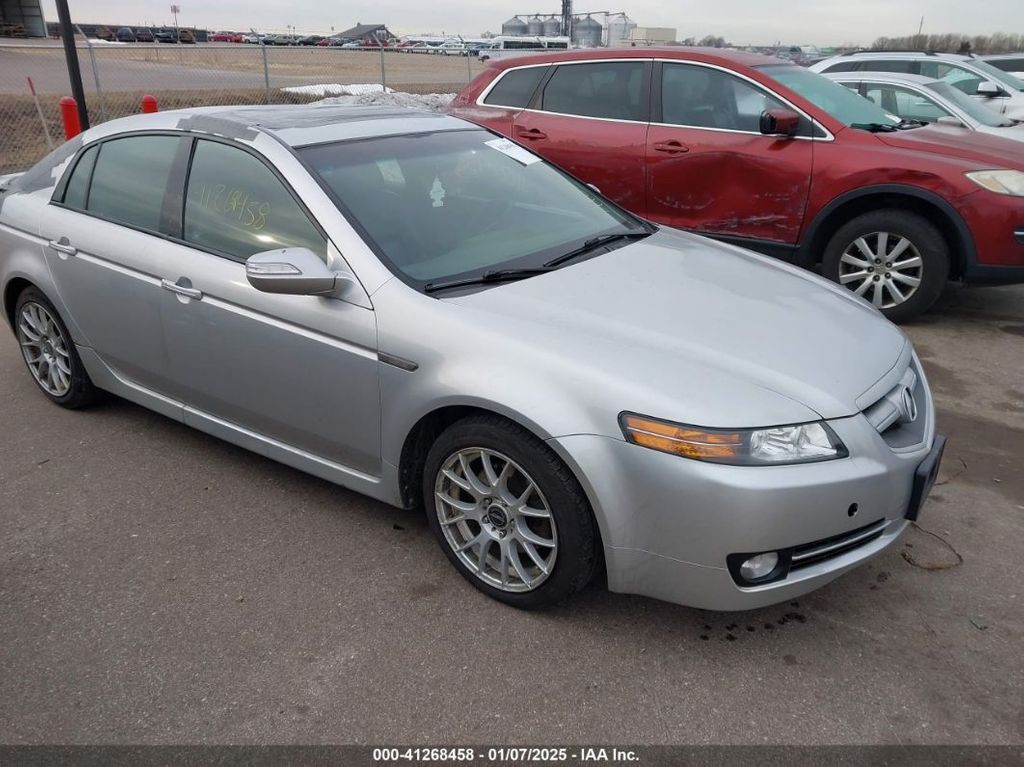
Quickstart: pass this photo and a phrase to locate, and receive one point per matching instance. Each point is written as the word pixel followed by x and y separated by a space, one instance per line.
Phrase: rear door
pixel 591 119
pixel 108 245
pixel 709 168
pixel 510 93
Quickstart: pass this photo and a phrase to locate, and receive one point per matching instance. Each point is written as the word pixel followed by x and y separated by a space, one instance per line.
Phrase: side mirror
pixel 293 271
pixel 779 122
pixel 989 89
pixel 952 122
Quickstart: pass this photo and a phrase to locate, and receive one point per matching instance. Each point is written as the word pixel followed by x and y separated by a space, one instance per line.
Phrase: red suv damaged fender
pixel 770 156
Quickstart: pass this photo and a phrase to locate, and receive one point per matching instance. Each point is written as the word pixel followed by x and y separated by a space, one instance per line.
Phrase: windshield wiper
pixel 908 124
pixel 875 127
pixel 593 243
pixel 495 275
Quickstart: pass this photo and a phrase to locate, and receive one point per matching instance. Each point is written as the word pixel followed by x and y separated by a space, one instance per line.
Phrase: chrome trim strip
pixel 829 136
pixel 813 553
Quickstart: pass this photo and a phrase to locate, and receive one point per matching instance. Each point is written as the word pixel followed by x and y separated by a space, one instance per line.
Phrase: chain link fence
pixel 117 76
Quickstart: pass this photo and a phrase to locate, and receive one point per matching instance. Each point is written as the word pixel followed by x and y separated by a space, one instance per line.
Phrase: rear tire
pixel 895 259
pixel 527 548
pixel 49 352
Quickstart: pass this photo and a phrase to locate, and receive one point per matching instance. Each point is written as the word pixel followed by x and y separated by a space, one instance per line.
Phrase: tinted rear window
pixel 130 179
pixel 516 87
pixel 613 90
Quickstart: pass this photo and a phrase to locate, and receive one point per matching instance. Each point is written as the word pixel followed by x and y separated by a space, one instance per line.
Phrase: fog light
pixel 758 566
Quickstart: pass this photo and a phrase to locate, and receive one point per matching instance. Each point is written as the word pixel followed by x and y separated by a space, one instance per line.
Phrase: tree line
pixel 1000 42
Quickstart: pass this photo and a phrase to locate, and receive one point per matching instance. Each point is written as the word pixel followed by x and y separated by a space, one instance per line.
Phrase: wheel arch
pixel 14 288
pixel 887 196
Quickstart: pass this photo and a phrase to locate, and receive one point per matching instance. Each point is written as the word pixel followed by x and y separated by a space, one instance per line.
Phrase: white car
pixel 996 89
pixel 913 97
pixel 451 48
pixel 1008 62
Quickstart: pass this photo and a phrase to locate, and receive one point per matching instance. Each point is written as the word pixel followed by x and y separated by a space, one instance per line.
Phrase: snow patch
pixel 433 102
pixel 336 89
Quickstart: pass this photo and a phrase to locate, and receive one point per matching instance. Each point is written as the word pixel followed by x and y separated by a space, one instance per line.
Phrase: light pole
pixel 176 10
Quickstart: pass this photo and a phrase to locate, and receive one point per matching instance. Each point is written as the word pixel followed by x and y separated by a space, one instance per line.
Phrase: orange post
pixel 69 114
pixel 149 104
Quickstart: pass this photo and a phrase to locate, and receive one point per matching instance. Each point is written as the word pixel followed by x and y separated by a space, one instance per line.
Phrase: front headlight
pixel 1009 182
pixel 802 443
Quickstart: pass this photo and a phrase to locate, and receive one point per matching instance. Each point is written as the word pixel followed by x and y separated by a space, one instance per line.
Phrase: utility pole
pixel 176 10
pixel 67 34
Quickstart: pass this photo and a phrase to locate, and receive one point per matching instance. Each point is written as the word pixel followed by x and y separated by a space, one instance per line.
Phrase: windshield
pixel 456 204
pixel 1010 81
pixel 972 107
pixel 839 101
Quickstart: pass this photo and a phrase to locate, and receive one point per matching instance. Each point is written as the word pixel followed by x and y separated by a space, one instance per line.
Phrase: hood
pixel 984 149
pixel 709 334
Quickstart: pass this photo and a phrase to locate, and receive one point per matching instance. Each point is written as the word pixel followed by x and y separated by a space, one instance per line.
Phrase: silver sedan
pixel 415 308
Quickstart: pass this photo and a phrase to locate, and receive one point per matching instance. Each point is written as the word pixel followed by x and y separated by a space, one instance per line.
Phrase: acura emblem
pixel 908 407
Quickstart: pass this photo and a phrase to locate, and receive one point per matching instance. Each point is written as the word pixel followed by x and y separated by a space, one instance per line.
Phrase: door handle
pixel 180 290
pixel 530 134
pixel 63 246
pixel 670 147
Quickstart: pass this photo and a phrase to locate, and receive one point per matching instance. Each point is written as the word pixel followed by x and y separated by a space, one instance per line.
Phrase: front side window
pixel 612 90
pixel 701 97
pixel 235 205
pixel 453 204
pixel 130 180
pixel 904 102
pixel 516 87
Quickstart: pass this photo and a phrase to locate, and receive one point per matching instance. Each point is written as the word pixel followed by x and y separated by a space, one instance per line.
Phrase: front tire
pixel 49 352
pixel 896 259
pixel 508 513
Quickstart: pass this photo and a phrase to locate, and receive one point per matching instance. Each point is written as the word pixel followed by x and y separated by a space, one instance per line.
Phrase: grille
pixel 884 414
pixel 830 548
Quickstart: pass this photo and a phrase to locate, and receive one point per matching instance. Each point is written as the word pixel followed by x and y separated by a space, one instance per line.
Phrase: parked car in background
pixel 1012 63
pixel 282 40
pixel 768 155
pixel 311 40
pixel 913 97
pixel 352 44
pixel 165 35
pixel 125 35
pixel 144 35
pixel 285 290
pixel 104 33
pixel 996 89
pixel 450 48
pixel 186 37
pixel 226 37
pixel 515 46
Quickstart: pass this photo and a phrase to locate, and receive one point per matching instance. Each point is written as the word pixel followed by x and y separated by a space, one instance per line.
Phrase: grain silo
pixel 535 26
pixel 587 33
pixel 514 26
pixel 552 27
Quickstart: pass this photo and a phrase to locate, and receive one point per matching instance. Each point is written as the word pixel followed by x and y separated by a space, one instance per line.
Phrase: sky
pixel 743 22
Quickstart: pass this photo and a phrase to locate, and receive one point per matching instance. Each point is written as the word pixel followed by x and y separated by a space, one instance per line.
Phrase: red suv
pixel 768 155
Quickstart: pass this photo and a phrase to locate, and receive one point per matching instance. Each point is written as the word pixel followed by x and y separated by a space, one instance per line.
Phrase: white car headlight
pixel 802 443
pixel 1009 182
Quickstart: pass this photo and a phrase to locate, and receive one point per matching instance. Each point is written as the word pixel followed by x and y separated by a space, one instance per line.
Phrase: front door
pixel 299 370
pixel 709 168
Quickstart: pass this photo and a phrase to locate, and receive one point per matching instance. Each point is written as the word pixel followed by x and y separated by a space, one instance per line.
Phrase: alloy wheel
pixel 45 349
pixel 882 267
pixel 496 519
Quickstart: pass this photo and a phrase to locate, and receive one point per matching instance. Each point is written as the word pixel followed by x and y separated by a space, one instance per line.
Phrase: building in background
pixel 366 33
pixel 21 18
pixel 652 35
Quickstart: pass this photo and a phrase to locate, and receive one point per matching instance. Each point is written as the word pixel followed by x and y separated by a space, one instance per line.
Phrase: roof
pixel 295 125
pixel 683 53
pixel 361 30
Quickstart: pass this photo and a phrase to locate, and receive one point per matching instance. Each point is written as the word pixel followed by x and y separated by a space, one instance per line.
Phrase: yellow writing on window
pixel 234 202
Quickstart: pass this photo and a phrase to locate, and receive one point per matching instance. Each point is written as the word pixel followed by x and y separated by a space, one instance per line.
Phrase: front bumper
pixel 669 524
